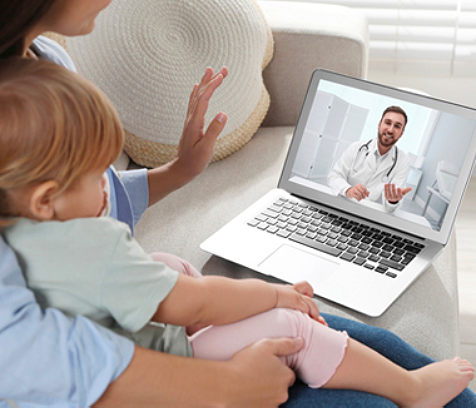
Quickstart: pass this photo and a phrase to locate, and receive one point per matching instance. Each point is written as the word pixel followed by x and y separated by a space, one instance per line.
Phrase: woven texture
pixel 147 54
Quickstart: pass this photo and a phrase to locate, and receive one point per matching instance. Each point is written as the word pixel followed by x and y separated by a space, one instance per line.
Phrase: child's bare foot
pixel 439 383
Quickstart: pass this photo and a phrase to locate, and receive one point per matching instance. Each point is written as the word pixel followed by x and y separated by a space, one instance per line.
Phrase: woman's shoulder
pixel 49 49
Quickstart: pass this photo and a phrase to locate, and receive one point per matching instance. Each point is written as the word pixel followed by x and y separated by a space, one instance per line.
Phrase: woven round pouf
pixel 146 55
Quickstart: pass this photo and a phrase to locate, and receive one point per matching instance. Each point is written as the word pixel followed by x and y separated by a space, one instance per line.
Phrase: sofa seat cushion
pixel 146 56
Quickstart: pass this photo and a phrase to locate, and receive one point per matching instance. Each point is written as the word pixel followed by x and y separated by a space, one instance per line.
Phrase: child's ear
pixel 42 200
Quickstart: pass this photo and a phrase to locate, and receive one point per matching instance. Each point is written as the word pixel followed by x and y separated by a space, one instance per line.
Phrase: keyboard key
pixel 253 223
pixel 392 264
pixel 312 228
pixel 396 258
pixel 385 254
pixel 374 258
pixel 391 274
pixel 270 214
pixel 412 249
pixel 271 221
pixel 347 257
pixel 368 266
pixel 342 246
pixel 379 269
pixel 331 242
pixel 352 250
pixel 283 233
pixel 359 261
pixel 272 229
pixel 275 208
pixel 316 245
pixel 363 254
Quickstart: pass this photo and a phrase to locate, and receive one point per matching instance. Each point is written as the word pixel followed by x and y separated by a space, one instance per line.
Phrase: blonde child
pixel 58 135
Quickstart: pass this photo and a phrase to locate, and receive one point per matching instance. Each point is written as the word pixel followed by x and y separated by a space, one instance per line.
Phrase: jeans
pixel 382 341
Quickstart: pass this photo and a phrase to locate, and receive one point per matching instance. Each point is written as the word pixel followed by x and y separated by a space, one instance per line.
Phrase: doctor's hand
pixel 359 192
pixel 394 194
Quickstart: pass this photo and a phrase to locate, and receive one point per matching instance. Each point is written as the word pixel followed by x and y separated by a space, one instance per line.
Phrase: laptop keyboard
pixel 338 236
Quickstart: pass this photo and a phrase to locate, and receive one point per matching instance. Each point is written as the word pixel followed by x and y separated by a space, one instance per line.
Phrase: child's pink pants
pixel 315 363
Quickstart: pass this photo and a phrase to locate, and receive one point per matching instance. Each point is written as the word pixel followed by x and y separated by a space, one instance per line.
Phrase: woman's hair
pixel 17 17
pixel 54 125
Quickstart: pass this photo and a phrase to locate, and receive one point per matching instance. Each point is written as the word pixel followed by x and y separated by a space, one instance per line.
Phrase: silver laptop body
pixel 359 254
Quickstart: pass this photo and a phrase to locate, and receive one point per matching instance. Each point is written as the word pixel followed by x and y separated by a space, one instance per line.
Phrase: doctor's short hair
pixel 54 125
pixel 395 109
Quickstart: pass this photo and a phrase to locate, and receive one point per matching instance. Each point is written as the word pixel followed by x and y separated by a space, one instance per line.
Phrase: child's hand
pixel 299 297
pixel 196 145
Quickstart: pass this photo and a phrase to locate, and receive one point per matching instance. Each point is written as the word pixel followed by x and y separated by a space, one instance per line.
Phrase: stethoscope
pixel 365 146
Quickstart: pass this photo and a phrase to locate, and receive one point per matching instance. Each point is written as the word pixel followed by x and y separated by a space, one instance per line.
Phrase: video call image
pixel 381 152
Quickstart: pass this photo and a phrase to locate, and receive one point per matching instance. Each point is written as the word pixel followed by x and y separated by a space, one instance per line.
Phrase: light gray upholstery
pixel 426 314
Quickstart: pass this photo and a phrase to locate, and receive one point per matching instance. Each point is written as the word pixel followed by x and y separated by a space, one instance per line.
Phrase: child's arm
pixel 196 145
pixel 217 300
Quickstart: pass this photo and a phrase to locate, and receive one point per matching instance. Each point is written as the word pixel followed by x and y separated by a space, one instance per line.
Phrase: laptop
pixel 362 254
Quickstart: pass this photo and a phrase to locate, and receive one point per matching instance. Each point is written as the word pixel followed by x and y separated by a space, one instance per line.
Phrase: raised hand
pixel 196 145
pixel 394 194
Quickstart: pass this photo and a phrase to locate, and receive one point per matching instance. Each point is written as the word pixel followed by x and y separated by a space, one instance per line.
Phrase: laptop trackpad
pixel 293 265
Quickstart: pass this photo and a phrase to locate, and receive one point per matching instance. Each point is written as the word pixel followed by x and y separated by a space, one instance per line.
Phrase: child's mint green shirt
pixel 94 267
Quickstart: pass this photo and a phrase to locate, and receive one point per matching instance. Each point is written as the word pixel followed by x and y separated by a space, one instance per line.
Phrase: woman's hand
pixel 196 145
pixel 299 297
pixel 195 149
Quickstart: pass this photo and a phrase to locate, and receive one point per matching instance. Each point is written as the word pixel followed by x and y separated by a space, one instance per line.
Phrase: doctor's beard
pixel 380 139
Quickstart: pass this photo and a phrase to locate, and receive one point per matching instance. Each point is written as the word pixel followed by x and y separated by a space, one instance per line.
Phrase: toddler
pixel 58 135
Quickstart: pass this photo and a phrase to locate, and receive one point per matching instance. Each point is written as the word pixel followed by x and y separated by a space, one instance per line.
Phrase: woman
pixel 83 361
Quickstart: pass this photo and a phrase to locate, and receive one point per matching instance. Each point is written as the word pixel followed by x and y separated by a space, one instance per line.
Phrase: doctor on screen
pixel 376 169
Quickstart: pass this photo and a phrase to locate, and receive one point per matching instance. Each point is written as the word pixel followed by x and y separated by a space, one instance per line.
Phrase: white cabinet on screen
pixel 332 126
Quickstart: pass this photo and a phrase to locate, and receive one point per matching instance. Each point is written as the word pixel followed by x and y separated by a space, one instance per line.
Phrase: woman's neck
pixel 34 32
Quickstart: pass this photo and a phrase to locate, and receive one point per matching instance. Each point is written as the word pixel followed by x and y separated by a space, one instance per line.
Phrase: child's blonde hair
pixel 54 125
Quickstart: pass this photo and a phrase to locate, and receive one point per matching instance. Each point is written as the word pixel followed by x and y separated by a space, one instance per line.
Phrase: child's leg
pixel 431 386
pixel 315 363
pixel 176 263
pixel 325 361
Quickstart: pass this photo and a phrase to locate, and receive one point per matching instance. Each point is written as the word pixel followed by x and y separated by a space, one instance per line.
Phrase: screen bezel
pixel 357 209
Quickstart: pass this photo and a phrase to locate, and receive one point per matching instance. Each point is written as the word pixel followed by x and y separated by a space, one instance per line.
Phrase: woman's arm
pixel 215 300
pixel 254 377
pixel 196 145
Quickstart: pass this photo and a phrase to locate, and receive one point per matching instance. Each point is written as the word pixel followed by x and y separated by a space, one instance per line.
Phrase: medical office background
pixel 434 141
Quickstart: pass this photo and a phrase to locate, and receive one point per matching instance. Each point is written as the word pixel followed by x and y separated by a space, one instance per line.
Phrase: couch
pixel 307 36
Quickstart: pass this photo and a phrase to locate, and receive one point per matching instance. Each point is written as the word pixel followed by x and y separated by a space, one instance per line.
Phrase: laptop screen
pixel 392 156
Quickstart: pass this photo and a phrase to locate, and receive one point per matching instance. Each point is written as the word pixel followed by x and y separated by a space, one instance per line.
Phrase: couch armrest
pixel 308 36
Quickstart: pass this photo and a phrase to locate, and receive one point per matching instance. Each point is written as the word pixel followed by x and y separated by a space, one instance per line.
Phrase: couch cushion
pixel 146 55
